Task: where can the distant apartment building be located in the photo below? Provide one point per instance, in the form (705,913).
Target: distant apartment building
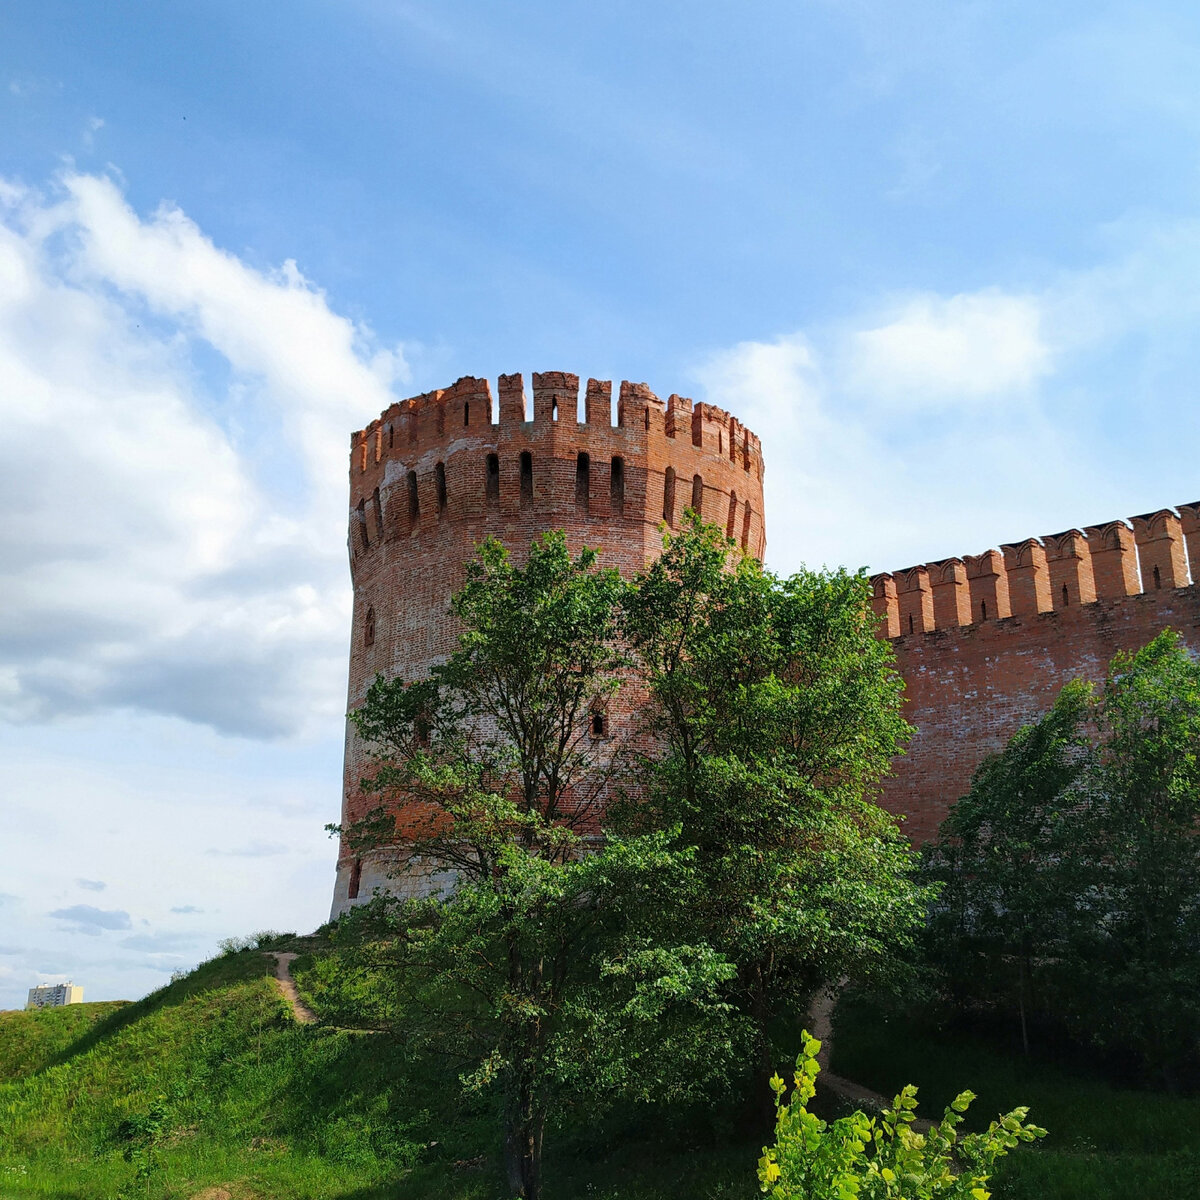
(53,995)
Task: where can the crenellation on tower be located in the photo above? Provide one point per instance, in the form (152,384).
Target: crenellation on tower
(1161,554)
(434,475)
(1078,567)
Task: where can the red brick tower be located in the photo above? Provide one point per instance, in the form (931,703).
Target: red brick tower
(438,473)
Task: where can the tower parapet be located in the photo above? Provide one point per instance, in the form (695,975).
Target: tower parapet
(1041,575)
(437,473)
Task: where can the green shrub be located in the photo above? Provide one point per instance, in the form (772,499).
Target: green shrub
(873,1158)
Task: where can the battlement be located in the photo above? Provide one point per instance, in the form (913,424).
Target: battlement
(557,456)
(434,417)
(1148,553)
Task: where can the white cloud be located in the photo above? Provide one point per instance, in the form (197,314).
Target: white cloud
(170,541)
(934,352)
(958,423)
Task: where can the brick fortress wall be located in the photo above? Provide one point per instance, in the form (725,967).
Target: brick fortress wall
(438,473)
(986,642)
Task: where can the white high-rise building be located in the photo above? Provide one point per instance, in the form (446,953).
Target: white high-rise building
(53,995)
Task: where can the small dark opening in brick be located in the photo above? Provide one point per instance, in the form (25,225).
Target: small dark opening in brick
(414,498)
(439,475)
(377,505)
(526,479)
(597,724)
(369,628)
(363,537)
(1157,579)
(1066,596)
(983,610)
(616,486)
(910,623)
(492,482)
(355,879)
(466,412)
(583,480)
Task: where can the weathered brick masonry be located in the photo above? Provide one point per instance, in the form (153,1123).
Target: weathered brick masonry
(438,473)
(986,642)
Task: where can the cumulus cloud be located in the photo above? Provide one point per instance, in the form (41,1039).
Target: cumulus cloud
(933,351)
(160,943)
(92,885)
(949,424)
(92,920)
(255,849)
(171,536)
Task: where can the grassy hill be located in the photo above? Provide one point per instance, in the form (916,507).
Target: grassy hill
(208,1090)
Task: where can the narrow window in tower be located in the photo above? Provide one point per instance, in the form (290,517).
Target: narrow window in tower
(731,521)
(364,538)
(391,436)
(698,495)
(355,879)
(1066,596)
(720,442)
(646,418)
(669,496)
(377,506)
(554,410)
(747,517)
(439,475)
(583,480)
(983,610)
(369,628)
(466,412)
(526,479)
(598,725)
(616,486)
(492,482)
(414,500)
(910,623)
(1157,579)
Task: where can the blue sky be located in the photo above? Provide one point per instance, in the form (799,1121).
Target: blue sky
(941,257)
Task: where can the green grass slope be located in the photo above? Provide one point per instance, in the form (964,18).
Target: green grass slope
(1103,1143)
(208,1090)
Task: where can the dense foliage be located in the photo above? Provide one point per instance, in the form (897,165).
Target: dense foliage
(1072,868)
(549,973)
(775,711)
(572,962)
(884,1157)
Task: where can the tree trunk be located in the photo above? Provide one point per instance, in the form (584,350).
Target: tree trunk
(524,1126)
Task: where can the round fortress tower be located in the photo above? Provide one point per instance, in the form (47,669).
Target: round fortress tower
(438,473)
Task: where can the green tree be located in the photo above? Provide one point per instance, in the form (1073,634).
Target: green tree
(1073,865)
(880,1158)
(1142,808)
(549,971)
(775,710)
(1006,910)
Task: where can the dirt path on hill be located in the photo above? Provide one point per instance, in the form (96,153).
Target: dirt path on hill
(820,1025)
(287,987)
